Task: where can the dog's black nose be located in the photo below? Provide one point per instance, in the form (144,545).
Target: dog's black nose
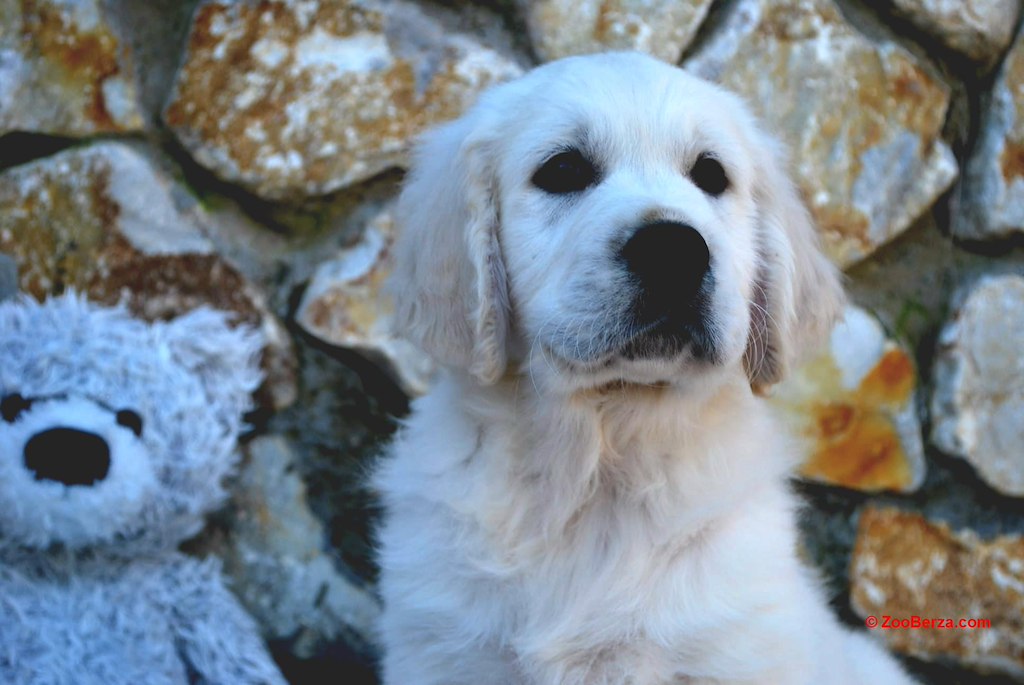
(669,261)
(68,456)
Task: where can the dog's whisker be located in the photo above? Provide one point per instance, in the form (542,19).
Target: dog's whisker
(760,333)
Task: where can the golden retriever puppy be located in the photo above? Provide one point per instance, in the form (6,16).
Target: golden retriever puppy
(606,256)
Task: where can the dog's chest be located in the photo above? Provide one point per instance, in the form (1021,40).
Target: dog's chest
(569,546)
(611,559)
(619,565)
(607,595)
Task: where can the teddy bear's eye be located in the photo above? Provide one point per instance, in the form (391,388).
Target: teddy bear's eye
(130,420)
(12,405)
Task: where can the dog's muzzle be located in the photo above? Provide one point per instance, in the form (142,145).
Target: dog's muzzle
(669,262)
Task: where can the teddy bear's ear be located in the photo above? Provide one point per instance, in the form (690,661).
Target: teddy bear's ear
(225,358)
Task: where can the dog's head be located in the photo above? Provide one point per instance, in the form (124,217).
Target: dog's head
(609,218)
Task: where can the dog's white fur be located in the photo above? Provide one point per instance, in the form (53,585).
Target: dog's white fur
(556,512)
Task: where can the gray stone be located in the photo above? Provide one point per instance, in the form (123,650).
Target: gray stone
(861,119)
(346,305)
(275,557)
(978,402)
(992,199)
(662,28)
(295,98)
(978,29)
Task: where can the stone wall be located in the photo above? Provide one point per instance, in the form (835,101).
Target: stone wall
(247,155)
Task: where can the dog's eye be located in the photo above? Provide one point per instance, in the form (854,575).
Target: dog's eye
(709,175)
(566,172)
(12,405)
(130,420)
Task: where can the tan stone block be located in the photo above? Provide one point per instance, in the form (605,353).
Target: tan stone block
(862,119)
(293,99)
(662,28)
(66,69)
(979,29)
(905,566)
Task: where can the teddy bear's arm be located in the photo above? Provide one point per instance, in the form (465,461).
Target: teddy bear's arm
(218,638)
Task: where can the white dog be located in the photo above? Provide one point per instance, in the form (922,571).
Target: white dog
(607,256)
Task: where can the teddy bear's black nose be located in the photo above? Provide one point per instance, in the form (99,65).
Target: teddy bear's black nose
(68,456)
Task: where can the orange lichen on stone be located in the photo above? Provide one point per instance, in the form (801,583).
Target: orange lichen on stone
(1011,160)
(615,22)
(904,566)
(844,230)
(891,381)
(855,441)
(862,452)
(1012,157)
(84,58)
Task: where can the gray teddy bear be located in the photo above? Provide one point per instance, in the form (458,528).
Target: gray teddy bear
(115,437)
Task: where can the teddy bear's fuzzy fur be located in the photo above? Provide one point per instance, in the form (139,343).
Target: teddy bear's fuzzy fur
(115,438)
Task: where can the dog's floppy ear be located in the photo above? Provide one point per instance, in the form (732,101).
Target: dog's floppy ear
(449,281)
(798,294)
